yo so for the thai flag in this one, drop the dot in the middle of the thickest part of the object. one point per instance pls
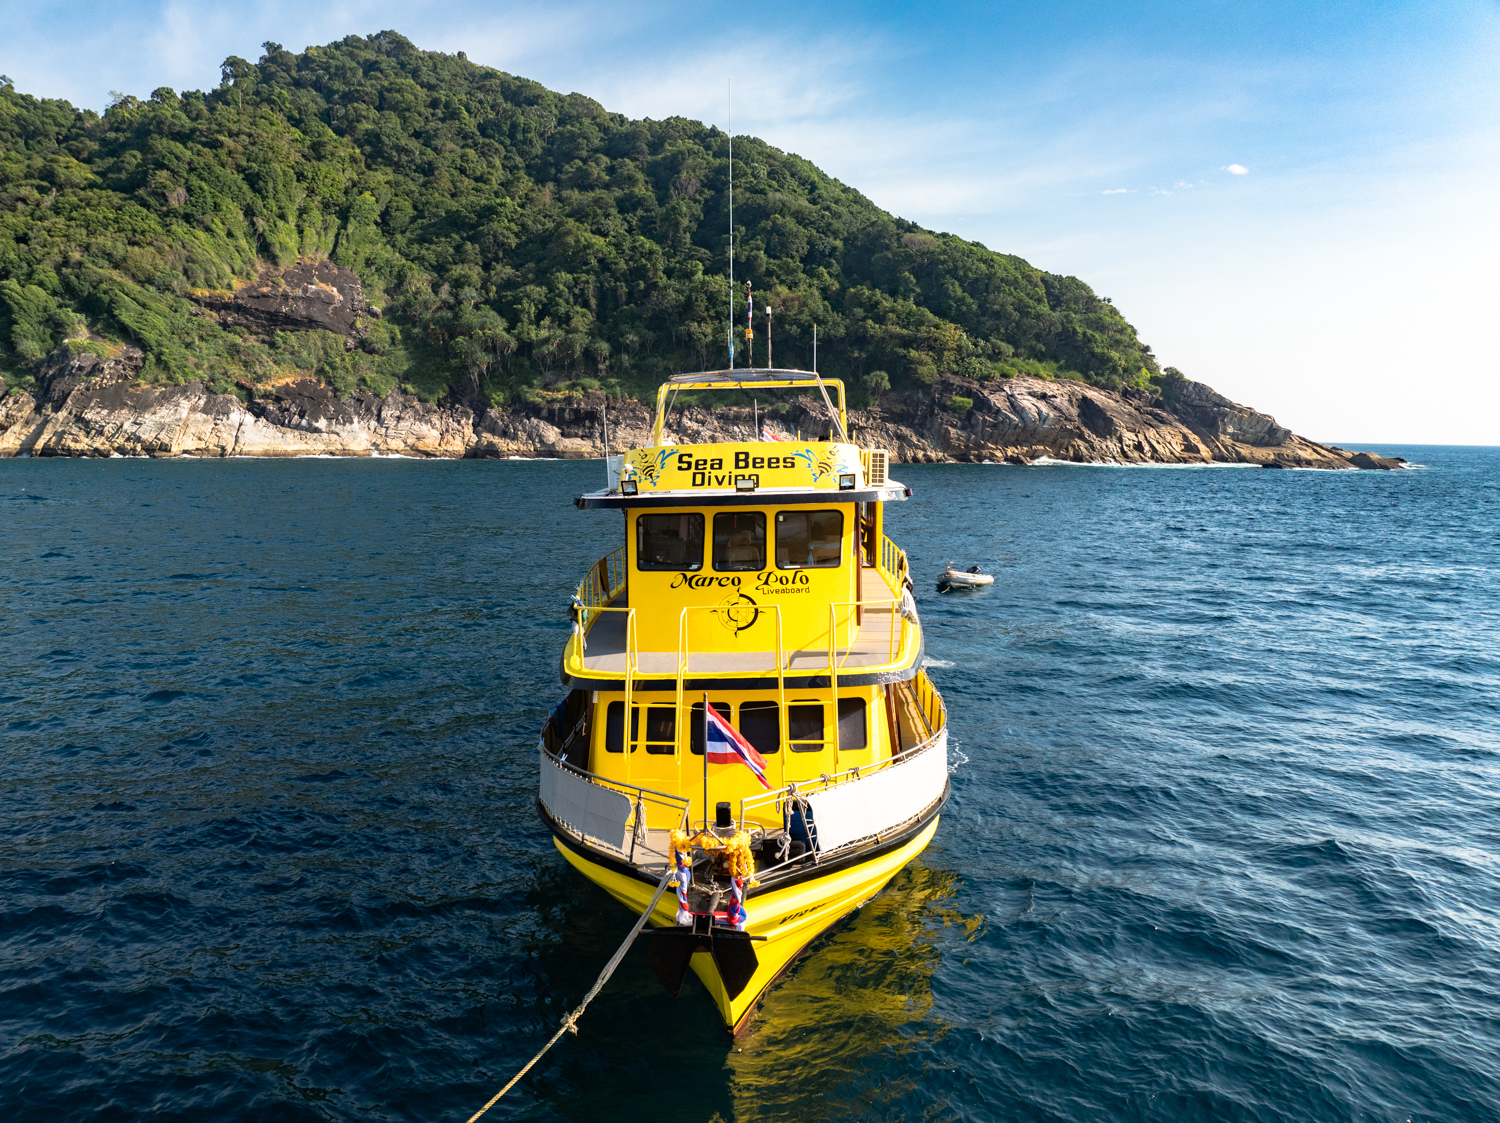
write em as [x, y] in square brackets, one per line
[725, 745]
[767, 435]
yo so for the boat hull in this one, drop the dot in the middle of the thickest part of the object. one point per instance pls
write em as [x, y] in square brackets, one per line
[966, 580]
[789, 917]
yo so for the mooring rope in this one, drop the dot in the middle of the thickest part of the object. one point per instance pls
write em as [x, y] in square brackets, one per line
[569, 1022]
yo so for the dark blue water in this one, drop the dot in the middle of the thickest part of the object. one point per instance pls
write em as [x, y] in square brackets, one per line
[1226, 844]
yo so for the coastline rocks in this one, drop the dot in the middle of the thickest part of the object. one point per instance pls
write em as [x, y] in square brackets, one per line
[1021, 420]
[89, 404]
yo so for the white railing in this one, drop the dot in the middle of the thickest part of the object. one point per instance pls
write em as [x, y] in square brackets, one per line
[607, 813]
[861, 803]
[869, 806]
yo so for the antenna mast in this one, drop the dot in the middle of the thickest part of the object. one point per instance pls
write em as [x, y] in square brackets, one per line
[731, 263]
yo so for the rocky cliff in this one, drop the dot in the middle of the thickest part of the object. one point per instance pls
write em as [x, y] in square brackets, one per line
[310, 295]
[93, 404]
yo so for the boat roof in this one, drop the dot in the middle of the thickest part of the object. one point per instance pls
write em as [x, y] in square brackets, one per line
[605, 498]
[753, 375]
[746, 378]
[710, 474]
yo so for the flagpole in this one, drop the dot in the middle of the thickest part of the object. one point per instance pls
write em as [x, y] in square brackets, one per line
[705, 761]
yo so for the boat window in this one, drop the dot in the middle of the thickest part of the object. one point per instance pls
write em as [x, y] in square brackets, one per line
[695, 729]
[614, 728]
[809, 539]
[804, 728]
[669, 541]
[760, 722]
[852, 724]
[740, 541]
[661, 729]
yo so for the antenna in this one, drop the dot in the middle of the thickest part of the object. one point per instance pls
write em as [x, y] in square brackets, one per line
[731, 255]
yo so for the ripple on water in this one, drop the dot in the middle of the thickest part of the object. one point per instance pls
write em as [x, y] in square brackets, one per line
[1222, 841]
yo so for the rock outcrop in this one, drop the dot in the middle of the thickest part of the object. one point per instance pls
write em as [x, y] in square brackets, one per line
[94, 405]
[306, 296]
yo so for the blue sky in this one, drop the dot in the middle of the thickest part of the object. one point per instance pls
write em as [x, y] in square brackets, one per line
[1292, 202]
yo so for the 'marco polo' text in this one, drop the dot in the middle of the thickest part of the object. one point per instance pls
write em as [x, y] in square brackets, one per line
[768, 582]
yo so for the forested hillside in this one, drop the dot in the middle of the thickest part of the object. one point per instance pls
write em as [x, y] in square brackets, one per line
[515, 242]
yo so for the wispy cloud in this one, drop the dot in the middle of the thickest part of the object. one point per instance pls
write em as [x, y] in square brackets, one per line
[1237, 169]
[1117, 191]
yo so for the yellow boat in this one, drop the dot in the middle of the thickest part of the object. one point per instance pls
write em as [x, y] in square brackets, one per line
[754, 578]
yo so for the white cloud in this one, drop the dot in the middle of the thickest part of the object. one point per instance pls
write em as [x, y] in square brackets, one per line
[1237, 169]
[1116, 191]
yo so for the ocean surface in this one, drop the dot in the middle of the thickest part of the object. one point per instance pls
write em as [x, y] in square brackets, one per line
[1224, 841]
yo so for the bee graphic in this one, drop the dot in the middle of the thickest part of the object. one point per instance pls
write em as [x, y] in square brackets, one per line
[649, 466]
[806, 454]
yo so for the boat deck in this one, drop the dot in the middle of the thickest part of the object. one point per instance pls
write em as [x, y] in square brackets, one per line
[604, 651]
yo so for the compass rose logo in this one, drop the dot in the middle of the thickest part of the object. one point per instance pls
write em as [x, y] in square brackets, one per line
[737, 612]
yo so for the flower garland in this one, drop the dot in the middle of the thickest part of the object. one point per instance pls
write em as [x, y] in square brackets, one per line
[739, 864]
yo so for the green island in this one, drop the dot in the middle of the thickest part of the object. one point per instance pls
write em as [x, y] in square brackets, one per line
[517, 242]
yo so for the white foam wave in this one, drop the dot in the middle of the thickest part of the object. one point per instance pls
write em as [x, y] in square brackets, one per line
[1050, 462]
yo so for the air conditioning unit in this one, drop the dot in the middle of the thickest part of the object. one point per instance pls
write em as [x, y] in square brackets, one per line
[877, 467]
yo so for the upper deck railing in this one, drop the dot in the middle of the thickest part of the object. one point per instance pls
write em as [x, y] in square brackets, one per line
[892, 564]
[849, 626]
[604, 582]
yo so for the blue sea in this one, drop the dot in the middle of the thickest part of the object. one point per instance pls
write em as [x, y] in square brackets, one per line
[1224, 841]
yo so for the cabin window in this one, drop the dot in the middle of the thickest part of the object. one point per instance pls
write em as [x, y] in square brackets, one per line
[760, 722]
[740, 541]
[661, 729]
[809, 539]
[804, 728]
[852, 724]
[614, 728]
[695, 728]
[669, 542]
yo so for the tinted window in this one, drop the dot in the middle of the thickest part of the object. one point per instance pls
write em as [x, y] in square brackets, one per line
[669, 542]
[614, 728]
[852, 724]
[804, 728]
[661, 728]
[809, 539]
[760, 723]
[740, 541]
